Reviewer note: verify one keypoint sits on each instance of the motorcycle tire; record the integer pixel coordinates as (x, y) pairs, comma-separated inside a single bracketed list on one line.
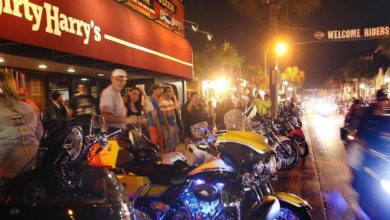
[(302, 145), (289, 212), (288, 159)]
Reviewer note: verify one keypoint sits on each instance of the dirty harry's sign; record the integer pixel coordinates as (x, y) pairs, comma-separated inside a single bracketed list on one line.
[(56, 23), (354, 33), (75, 27)]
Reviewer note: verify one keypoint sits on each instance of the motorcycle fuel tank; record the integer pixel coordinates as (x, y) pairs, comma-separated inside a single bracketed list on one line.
[(250, 139)]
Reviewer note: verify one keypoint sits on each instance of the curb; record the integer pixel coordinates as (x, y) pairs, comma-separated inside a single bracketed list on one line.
[(322, 204)]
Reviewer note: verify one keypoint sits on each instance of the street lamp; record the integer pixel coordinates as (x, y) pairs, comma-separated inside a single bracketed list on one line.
[(281, 48), (195, 28)]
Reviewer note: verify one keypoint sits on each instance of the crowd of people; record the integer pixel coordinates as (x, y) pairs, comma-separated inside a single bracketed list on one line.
[(159, 115)]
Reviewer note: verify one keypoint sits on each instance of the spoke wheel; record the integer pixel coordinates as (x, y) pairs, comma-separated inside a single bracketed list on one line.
[(303, 146), (288, 155)]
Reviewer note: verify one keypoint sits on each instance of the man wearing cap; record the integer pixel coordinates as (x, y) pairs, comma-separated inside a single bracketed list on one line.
[(155, 119), (111, 104)]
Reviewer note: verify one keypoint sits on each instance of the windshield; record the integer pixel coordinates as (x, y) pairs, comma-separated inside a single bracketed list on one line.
[(236, 120)]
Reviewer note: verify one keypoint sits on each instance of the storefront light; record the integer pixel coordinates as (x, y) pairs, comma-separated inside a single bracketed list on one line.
[(2, 60), (84, 79), (42, 66), (101, 74), (71, 70)]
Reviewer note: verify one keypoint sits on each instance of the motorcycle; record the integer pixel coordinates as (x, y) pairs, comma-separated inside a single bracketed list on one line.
[(293, 132), (236, 186), (201, 147), (368, 156), (286, 150), (61, 186)]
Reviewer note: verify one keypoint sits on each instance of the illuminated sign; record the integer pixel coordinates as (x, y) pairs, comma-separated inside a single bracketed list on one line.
[(121, 36), (169, 13), (56, 22), (168, 5), (354, 33)]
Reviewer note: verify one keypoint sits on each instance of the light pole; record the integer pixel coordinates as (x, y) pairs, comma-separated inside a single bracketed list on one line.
[(280, 49), (285, 83)]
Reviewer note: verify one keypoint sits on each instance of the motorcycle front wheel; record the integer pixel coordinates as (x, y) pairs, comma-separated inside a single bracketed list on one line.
[(288, 154), (302, 145), (289, 212)]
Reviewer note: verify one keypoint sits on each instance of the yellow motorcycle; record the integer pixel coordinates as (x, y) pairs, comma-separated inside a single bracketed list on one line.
[(235, 186)]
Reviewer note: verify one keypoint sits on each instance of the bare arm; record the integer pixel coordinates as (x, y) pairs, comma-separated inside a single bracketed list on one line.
[(111, 118)]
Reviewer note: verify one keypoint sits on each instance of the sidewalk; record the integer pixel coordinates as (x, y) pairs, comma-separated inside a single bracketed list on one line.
[(303, 181)]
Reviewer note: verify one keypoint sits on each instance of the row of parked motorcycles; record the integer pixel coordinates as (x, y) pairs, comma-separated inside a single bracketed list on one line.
[(81, 173)]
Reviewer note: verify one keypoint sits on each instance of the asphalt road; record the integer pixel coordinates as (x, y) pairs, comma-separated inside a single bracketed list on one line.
[(333, 172), (323, 177)]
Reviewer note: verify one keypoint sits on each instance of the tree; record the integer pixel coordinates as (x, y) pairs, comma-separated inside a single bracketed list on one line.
[(257, 76), (216, 60), (294, 76), (259, 9), (358, 68)]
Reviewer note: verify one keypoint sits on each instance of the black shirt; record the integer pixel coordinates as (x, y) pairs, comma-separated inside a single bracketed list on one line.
[(82, 104)]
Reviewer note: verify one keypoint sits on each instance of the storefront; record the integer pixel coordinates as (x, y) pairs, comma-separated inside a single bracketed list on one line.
[(57, 44)]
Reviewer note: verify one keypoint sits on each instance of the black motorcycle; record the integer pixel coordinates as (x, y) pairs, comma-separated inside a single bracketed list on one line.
[(62, 186)]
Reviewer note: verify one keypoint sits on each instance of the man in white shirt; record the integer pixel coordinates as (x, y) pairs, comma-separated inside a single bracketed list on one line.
[(112, 106)]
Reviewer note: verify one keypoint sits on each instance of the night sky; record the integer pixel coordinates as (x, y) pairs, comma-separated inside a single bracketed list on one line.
[(317, 60)]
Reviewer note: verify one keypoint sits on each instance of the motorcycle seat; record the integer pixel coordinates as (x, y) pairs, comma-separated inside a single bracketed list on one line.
[(164, 174)]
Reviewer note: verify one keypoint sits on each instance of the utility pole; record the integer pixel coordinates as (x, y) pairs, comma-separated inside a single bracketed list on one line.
[(273, 33)]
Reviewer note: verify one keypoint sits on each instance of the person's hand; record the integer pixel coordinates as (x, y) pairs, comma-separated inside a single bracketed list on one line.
[(131, 120), (142, 121)]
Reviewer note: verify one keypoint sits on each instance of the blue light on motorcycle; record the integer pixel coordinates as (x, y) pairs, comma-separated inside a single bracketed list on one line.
[(199, 181), (385, 185), (220, 186)]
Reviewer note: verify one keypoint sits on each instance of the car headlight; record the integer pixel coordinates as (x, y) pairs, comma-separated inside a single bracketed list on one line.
[(385, 185)]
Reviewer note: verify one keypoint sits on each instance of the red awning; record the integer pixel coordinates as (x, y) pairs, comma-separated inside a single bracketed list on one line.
[(104, 30)]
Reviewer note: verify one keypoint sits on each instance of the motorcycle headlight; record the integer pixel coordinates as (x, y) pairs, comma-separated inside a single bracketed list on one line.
[(385, 185), (271, 165), (258, 167)]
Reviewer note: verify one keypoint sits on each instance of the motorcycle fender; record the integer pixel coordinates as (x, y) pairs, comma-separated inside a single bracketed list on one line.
[(267, 210), (299, 132), (291, 199)]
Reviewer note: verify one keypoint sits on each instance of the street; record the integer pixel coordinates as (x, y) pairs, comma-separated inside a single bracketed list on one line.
[(323, 178)]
